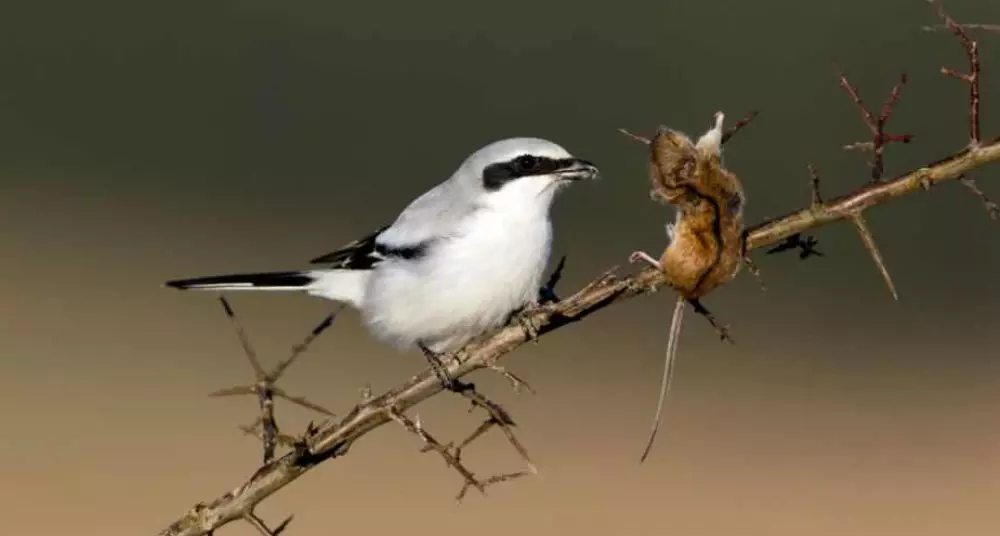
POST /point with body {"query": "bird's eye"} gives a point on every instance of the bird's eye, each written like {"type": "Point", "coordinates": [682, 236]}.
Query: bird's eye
{"type": "Point", "coordinates": [526, 162]}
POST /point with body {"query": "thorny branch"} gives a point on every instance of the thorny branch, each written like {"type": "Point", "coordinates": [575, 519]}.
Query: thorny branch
{"type": "Point", "coordinates": [335, 439]}
{"type": "Point", "coordinates": [264, 388]}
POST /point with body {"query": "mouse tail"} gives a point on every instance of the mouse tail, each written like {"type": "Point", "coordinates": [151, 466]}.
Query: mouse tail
{"type": "Point", "coordinates": [668, 371]}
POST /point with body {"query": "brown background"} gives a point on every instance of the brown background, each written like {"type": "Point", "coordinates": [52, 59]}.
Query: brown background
{"type": "Point", "coordinates": [142, 143]}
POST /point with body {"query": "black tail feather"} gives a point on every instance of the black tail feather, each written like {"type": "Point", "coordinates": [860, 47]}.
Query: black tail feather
{"type": "Point", "coordinates": [266, 279]}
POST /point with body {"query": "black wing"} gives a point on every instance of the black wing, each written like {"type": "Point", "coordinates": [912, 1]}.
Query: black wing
{"type": "Point", "coordinates": [358, 255]}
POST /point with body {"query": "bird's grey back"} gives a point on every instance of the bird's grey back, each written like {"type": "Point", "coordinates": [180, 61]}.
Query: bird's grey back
{"type": "Point", "coordinates": [435, 214]}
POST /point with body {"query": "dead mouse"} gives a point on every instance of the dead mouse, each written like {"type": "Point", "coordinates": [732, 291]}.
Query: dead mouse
{"type": "Point", "coordinates": [706, 241]}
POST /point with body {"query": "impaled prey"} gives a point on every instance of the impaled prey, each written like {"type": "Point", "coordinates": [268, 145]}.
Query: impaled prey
{"type": "Point", "coordinates": [706, 241]}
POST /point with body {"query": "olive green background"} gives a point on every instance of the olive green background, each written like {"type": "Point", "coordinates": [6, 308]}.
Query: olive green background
{"type": "Point", "coordinates": [141, 142]}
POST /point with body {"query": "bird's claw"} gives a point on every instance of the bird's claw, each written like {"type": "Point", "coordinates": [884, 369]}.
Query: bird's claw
{"type": "Point", "coordinates": [525, 316]}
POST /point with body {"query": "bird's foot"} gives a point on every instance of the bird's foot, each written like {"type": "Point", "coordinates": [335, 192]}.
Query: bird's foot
{"type": "Point", "coordinates": [525, 317]}
{"type": "Point", "coordinates": [434, 360]}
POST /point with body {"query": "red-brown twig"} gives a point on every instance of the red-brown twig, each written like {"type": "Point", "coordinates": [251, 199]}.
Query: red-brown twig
{"type": "Point", "coordinates": [876, 125]}
{"type": "Point", "coordinates": [971, 78]}
{"type": "Point", "coordinates": [971, 48]}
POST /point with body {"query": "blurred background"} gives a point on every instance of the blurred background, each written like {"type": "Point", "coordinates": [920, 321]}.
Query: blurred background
{"type": "Point", "coordinates": [143, 142]}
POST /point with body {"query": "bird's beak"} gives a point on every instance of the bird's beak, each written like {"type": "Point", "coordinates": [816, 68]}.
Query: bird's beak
{"type": "Point", "coordinates": [578, 169]}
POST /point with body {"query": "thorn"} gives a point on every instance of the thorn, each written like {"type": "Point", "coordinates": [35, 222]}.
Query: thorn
{"type": "Point", "coordinates": [864, 146]}
{"type": "Point", "coordinates": [991, 207]}
{"type": "Point", "coordinates": [516, 382]}
{"type": "Point", "coordinates": [754, 271]}
{"type": "Point", "coordinates": [817, 199]}
{"type": "Point", "coordinates": [737, 126]}
{"type": "Point", "coordinates": [995, 28]}
{"type": "Point", "coordinates": [301, 347]}
{"type": "Point", "coordinates": [234, 391]}
{"type": "Point", "coordinates": [869, 242]}
{"type": "Point", "coordinates": [434, 444]}
{"type": "Point", "coordinates": [635, 137]}
{"type": "Point", "coordinates": [502, 419]}
{"type": "Point", "coordinates": [261, 527]}
{"type": "Point", "coordinates": [244, 340]}
{"type": "Point", "coordinates": [301, 401]}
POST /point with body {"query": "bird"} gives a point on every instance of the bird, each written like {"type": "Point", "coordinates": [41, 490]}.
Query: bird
{"type": "Point", "coordinates": [458, 261]}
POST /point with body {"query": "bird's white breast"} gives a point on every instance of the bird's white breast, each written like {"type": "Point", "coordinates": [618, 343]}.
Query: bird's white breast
{"type": "Point", "coordinates": [467, 284]}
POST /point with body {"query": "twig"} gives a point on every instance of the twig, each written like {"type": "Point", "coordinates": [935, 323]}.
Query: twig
{"type": "Point", "coordinates": [995, 28]}
{"type": "Point", "coordinates": [817, 199]}
{"type": "Point", "coordinates": [876, 125]}
{"type": "Point", "coordinates": [991, 207]}
{"type": "Point", "coordinates": [262, 527]}
{"type": "Point", "coordinates": [414, 427]}
{"type": "Point", "coordinates": [737, 126]}
{"type": "Point", "coordinates": [264, 388]}
{"type": "Point", "coordinates": [971, 48]}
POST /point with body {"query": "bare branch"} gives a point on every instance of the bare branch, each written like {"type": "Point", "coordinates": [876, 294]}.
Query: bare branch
{"type": "Point", "coordinates": [334, 439]}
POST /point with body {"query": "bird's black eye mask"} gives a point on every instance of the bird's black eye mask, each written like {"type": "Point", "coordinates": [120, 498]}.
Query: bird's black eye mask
{"type": "Point", "coordinates": [525, 165]}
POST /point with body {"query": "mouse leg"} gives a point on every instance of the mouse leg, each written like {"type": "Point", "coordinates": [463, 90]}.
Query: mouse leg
{"type": "Point", "coordinates": [637, 256]}
{"type": "Point", "coordinates": [722, 330]}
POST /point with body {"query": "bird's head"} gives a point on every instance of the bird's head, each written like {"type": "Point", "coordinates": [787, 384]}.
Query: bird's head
{"type": "Point", "coordinates": [523, 172]}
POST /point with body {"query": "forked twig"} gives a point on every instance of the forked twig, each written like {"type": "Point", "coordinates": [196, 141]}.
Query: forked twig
{"type": "Point", "coordinates": [264, 388]}
{"type": "Point", "coordinates": [971, 48]}
{"type": "Point", "coordinates": [876, 125]}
